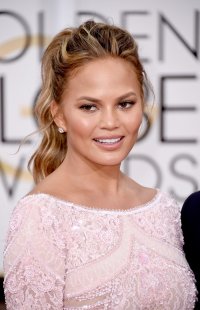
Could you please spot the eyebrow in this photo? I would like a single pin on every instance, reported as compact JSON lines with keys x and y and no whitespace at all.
{"x":131,"y":93}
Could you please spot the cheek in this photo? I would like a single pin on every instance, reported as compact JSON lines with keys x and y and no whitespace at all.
{"x":80,"y":126}
{"x":134,"y":123}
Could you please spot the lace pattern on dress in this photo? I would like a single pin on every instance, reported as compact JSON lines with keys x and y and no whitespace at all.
{"x":62,"y":256}
{"x":138,"y":284}
{"x":28,"y":286}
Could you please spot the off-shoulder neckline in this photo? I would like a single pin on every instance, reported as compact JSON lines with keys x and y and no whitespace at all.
{"x":69,"y":203}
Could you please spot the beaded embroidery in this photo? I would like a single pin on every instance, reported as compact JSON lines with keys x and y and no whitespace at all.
{"x":60,"y":255}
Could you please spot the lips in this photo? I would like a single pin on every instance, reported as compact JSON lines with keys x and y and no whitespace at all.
{"x":109,"y":140}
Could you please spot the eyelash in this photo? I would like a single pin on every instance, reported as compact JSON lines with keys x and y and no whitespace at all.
{"x":88,"y":107}
{"x":128,"y":103}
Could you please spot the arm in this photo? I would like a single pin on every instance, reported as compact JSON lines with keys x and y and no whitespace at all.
{"x":34,"y":265}
{"x":190,"y":217}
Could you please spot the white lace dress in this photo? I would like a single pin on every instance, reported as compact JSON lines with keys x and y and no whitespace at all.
{"x":60,"y":255}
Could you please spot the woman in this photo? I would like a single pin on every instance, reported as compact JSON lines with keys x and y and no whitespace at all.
{"x":190,"y":215}
{"x":88,"y":236}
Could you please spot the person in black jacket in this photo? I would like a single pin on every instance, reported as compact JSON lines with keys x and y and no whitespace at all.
{"x":190,"y":217}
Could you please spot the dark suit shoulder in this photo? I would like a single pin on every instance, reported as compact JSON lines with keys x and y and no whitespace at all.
{"x":191,"y":205}
{"x":190,"y":218}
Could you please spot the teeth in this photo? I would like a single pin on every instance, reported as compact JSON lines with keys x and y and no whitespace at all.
{"x":108,"y":141}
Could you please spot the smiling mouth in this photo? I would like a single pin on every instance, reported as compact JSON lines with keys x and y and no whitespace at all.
{"x":109,"y":140}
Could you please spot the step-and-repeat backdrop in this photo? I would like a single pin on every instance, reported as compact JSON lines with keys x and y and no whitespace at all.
{"x":167,"y":154}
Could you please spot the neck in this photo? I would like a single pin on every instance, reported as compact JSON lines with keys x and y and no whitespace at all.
{"x":89,"y":175}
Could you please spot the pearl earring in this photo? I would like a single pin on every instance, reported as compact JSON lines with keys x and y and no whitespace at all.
{"x":61,"y":130}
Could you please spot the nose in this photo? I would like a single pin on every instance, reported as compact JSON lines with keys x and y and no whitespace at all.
{"x":109,"y":119}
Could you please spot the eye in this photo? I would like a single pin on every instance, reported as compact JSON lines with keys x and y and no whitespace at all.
{"x":88,"y":107}
{"x":126,"y":104}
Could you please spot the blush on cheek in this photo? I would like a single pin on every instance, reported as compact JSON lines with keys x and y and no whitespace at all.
{"x":134,"y":124}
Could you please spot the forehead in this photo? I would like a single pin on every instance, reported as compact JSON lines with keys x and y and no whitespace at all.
{"x":108,"y":74}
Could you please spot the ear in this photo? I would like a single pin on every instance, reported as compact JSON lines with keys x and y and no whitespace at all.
{"x":57,"y":115}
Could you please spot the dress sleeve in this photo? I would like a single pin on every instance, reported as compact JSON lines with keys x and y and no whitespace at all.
{"x":34,"y":258}
{"x":190,"y":218}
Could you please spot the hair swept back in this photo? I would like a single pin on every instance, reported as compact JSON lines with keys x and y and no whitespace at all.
{"x":69,"y":50}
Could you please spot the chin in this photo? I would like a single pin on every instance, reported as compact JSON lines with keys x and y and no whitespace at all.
{"x":110,"y":161}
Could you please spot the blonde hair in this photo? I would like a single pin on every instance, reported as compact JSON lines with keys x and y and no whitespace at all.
{"x":69,"y":50}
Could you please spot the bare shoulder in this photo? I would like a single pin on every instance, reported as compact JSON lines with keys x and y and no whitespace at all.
{"x":47,"y":186}
{"x":143,"y":194}
{"x":147,"y":193}
{"x":53,"y":185}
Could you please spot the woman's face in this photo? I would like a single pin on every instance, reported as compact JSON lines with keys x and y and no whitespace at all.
{"x":102,"y":111}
